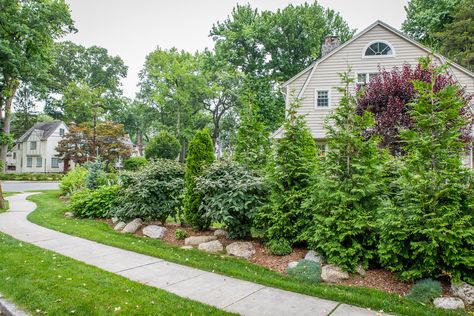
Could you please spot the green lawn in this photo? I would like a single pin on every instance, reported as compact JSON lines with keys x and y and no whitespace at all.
{"x":43,"y":282}
{"x":50,"y":214}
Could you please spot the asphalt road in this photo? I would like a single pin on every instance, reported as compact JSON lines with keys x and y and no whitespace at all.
{"x":21,"y":186}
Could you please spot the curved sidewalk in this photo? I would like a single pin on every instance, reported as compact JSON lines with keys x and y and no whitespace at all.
{"x":226,"y":293}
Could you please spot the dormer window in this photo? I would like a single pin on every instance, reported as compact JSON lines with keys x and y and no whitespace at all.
{"x":378,"y":49}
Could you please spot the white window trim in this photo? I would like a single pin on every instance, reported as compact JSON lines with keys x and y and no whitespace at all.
{"x":367,"y":76}
{"x":394,"y":54}
{"x":316,"y":98}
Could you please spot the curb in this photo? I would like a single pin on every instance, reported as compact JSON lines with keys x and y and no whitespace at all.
{"x":7,"y":308}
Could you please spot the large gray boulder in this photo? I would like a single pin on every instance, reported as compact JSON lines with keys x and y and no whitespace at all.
{"x":119,"y":226}
{"x":314,"y":256}
{"x":243,"y":249}
{"x":154,"y":231}
{"x":333,"y":274}
{"x":464,"y":291}
{"x":196,"y":240}
{"x":292,"y":265}
{"x":213,"y":246}
{"x":133,"y":226}
{"x":220,"y":233}
{"x":448,"y":302}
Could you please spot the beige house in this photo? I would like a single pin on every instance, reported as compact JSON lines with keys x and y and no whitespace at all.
{"x":379,"y":45}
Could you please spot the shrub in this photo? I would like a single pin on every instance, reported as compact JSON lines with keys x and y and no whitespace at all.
{"x":73,"y":181}
{"x":427,"y":229}
{"x":180,"y":234}
{"x":134,"y":163}
{"x":279,"y":247}
{"x":96,"y":175}
{"x":231,"y":195}
{"x":292,"y":169}
{"x":425,"y":291}
{"x":94,"y":203}
{"x":306,"y":271}
{"x":154,"y":193}
{"x":349,"y":190}
{"x":200,"y":156}
{"x":164,"y":146}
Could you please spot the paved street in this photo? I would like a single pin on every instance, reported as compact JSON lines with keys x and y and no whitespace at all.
{"x":22,"y":186}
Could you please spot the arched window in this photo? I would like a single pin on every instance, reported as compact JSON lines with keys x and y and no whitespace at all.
{"x":379,"y":48}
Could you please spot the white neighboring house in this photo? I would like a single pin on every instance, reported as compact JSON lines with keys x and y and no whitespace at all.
{"x":35,"y":151}
{"x":379,"y":45}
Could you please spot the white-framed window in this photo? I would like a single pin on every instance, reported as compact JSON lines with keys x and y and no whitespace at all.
{"x":29,"y":162}
{"x":323,"y":98}
{"x":39,"y":162}
{"x":33,"y":145}
{"x":379,"y":48}
{"x":322,"y":148}
{"x":61,"y":132}
{"x":54,"y":162}
{"x":364,"y":78}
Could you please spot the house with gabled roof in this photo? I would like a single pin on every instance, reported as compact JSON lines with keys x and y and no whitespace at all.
{"x":35,"y":151}
{"x":378,"y":46}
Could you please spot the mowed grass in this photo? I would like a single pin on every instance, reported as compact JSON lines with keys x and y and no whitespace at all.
{"x":45,"y":283}
{"x":50,"y":214}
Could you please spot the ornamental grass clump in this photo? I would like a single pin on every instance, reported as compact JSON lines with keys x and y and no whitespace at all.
{"x":425,"y":291}
{"x":306,"y":271}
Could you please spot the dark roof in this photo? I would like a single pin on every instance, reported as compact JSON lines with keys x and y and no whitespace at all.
{"x":48,"y":128}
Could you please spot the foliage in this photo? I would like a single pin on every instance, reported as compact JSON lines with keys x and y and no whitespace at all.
{"x":74,"y":180}
{"x":292,"y":170}
{"x":387,"y":96}
{"x":154,"y":193}
{"x":231,"y":195}
{"x":425,"y":291}
{"x":180,"y":234}
{"x":349,"y":191}
{"x":94,"y":203}
{"x":427,"y":229}
{"x":134,"y":163}
{"x":200,"y":156}
{"x":96,"y":175}
{"x":279,"y":247}
{"x":306,"y":271}
{"x":164,"y":145}
{"x":31,"y":176}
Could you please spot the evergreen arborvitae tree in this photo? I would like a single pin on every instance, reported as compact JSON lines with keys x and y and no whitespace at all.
{"x":291,"y":172}
{"x":347,"y":194}
{"x":428,"y":227}
{"x":200,"y":155}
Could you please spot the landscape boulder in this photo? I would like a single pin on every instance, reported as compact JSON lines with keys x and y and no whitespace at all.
{"x":133,"y":226}
{"x":464,"y":291}
{"x":119,"y":226}
{"x":69,"y":214}
{"x":114,"y":220}
{"x":360,"y":270}
{"x":243,"y":249}
{"x":154,"y":231}
{"x":196,"y":240}
{"x":292,"y":264}
{"x":220,"y":233}
{"x":314,"y":256}
{"x":187,"y":247}
{"x":333,"y":274}
{"x":213,"y":246}
{"x":448,"y":302}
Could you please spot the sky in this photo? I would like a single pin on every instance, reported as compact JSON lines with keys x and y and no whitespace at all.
{"x":134,"y":28}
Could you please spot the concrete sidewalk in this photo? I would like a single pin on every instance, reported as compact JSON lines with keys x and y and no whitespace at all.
{"x":226,"y":293}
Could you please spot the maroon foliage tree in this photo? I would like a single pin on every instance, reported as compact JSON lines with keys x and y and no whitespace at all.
{"x":386,"y":95}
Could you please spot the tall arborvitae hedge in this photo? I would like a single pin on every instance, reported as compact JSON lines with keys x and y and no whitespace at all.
{"x":347,"y":194}
{"x":291,"y":172}
{"x":200,"y":155}
{"x":427,"y":229}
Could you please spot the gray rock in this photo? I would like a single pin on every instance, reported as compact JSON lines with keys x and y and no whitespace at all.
{"x":313,"y":256}
{"x":115,"y":220}
{"x":243,"y":249}
{"x":154,"y":231}
{"x":448,"y":302}
{"x":196,"y":240}
{"x":333,"y":274}
{"x":213,"y":246}
{"x":292,"y":264}
{"x":220,"y":233}
{"x":464,"y":291}
{"x":69,"y":214}
{"x":133,"y":226}
{"x":119,"y":226}
{"x":360,"y":270}
{"x":187,"y":247}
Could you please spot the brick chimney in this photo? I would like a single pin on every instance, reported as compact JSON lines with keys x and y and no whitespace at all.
{"x":330,"y":43}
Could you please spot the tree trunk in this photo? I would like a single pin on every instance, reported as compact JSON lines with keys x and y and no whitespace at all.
{"x":140,"y":142}
{"x":6,"y":123}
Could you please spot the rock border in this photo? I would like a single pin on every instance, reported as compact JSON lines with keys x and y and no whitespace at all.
{"x":7,"y":308}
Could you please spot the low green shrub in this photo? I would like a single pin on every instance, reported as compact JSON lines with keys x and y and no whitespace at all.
{"x":279,"y":247}
{"x":94,"y":203}
{"x":180,"y":234}
{"x":231,"y":195}
{"x":153,"y":193}
{"x":31,"y":176}
{"x":134,"y":163}
{"x":163,"y":146}
{"x":424,"y":291}
{"x":306,"y":271}
{"x":73,"y":181}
